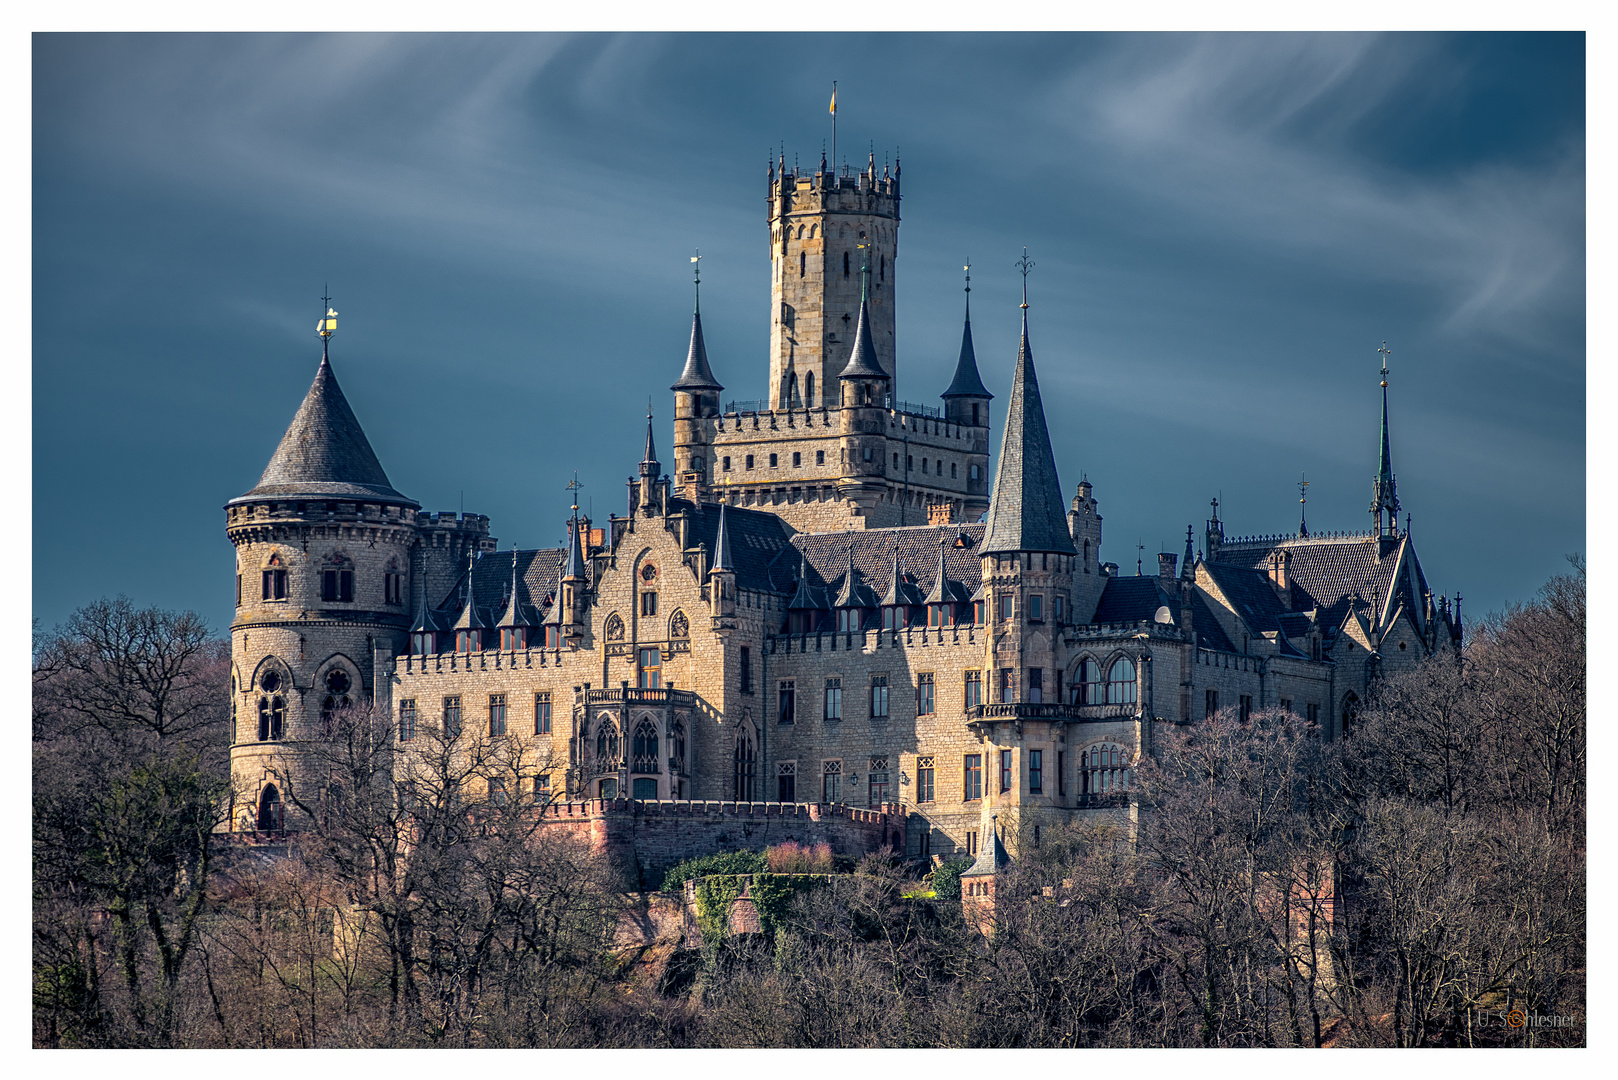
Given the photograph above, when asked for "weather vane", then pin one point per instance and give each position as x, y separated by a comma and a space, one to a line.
1303, 502
574, 485
327, 324
1386, 352
1025, 264
696, 274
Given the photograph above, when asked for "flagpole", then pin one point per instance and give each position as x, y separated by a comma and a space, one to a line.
834, 127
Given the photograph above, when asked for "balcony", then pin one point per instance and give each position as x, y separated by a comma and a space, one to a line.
1048, 710
637, 695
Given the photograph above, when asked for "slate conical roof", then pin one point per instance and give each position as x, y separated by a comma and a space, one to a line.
325, 453
862, 361
967, 382
1384, 491
697, 375
1025, 509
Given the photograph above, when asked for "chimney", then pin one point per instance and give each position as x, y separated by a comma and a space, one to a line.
941, 513
1279, 566
1166, 563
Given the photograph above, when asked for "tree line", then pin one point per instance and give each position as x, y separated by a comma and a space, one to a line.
1420, 882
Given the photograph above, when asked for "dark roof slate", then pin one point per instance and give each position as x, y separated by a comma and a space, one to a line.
537, 576
755, 539
325, 453
1025, 509
967, 381
1136, 599
828, 555
1326, 572
697, 375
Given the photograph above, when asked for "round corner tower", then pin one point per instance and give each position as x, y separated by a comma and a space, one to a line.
323, 591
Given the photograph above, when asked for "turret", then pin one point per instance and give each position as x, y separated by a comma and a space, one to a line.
574, 600
722, 579
696, 399
966, 402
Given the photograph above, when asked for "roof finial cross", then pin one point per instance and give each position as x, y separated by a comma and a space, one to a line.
327, 323
1386, 352
1025, 264
696, 273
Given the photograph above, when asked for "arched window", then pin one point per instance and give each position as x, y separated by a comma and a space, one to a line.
1087, 687
272, 717
812, 230
607, 745
744, 761
1121, 683
792, 391
677, 747
644, 749
1103, 770
809, 390
270, 818
803, 263
337, 686
1351, 712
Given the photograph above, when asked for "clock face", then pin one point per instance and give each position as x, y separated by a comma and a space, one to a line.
648, 573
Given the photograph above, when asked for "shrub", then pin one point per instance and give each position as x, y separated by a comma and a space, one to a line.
947, 878
727, 862
794, 858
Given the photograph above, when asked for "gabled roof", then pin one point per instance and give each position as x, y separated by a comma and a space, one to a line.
537, 577
902, 592
697, 375
810, 594
1136, 599
1250, 594
873, 554
519, 608
1325, 572
945, 591
1025, 510
754, 539
325, 453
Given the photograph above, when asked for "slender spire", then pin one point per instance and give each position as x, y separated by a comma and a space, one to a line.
1025, 511
649, 465
1384, 492
1188, 571
1303, 504
862, 361
722, 561
697, 375
967, 381
575, 543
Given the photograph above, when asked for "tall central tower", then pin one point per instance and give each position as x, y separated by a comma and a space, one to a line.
818, 222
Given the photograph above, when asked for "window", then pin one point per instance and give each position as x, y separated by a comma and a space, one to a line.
867, 454
1244, 705
972, 778
1036, 684
879, 697
607, 747
497, 714
1059, 607
513, 638
980, 611
1008, 685
924, 844
608, 788
452, 716
971, 841
910, 463
774, 458
797, 460
845, 264
275, 584
726, 463
1036, 772
337, 687
497, 791
238, 590
650, 665
1087, 689
1006, 606
644, 788
786, 782
1121, 683
746, 665
788, 699
1036, 608
749, 462
553, 636
974, 470
677, 748
1286, 704
1061, 772
407, 719
542, 787
831, 782
644, 749
952, 475
1103, 770
974, 688
820, 455
1210, 701
895, 461
1005, 770
393, 587
272, 716
924, 693
877, 783
834, 699
542, 713
803, 262
337, 586
648, 603
924, 779
1312, 713
744, 759
270, 810
468, 641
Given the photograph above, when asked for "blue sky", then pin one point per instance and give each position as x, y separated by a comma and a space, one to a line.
1225, 229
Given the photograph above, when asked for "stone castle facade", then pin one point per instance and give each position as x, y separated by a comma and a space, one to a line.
823, 602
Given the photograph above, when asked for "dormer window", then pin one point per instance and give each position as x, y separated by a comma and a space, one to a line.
468, 641
423, 643
513, 638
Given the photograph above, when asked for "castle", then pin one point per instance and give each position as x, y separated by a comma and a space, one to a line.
824, 602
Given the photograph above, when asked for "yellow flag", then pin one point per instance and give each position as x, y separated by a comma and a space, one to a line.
834, 102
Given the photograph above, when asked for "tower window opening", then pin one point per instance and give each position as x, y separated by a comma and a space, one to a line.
272, 716
845, 264
726, 462
809, 390
803, 263
270, 810
1121, 683
820, 457
952, 475
393, 587
973, 473
774, 460
749, 461
797, 459
275, 583
884, 274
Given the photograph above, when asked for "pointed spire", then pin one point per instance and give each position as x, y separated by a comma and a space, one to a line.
943, 591
697, 375
854, 592
649, 465
471, 618
1384, 492
803, 599
895, 594
862, 361
574, 569
422, 623
722, 561
1188, 571
325, 452
1025, 510
967, 381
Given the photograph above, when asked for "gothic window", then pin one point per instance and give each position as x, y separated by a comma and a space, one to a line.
452, 716
608, 788
648, 603
606, 745
1103, 770
924, 779
845, 264
879, 697
786, 782
744, 761
392, 584
270, 818
925, 699
1088, 688
831, 782
809, 390
337, 581
542, 713
972, 777
787, 713
272, 716
877, 782
813, 229
407, 719
792, 401
1121, 683
974, 688
679, 626
337, 686
275, 579
644, 788
497, 714
803, 263
644, 749
833, 705
1351, 712
615, 627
